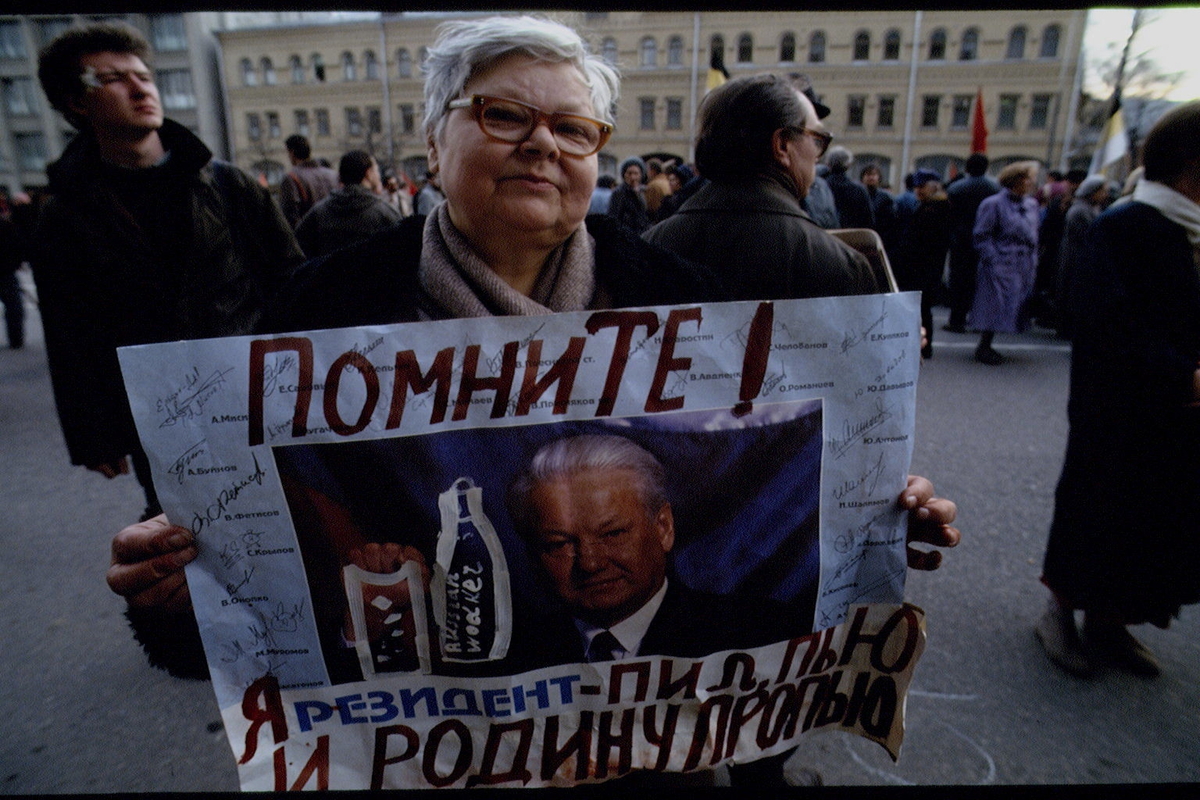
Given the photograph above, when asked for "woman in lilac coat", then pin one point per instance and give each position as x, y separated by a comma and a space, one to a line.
1006, 233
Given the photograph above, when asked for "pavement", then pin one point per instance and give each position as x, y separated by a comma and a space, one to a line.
84, 713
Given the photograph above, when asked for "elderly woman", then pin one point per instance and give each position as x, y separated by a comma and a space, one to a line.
1006, 237
517, 110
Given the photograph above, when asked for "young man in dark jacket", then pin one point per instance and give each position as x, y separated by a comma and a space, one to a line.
145, 239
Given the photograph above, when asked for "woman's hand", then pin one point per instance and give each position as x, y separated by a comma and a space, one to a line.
147, 565
928, 522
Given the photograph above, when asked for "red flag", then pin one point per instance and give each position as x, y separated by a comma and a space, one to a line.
979, 127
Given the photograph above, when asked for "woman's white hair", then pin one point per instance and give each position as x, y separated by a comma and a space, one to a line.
466, 47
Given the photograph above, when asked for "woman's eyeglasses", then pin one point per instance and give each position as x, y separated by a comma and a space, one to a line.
513, 122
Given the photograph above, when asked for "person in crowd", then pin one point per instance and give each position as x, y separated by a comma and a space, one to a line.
398, 192
516, 111
1044, 307
430, 196
1006, 237
12, 256
146, 239
306, 183
851, 198
354, 211
883, 206
1090, 199
922, 253
657, 187
602, 194
1134, 413
965, 196
758, 143
684, 183
628, 202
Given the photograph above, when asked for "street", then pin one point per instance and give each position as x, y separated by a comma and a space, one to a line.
84, 713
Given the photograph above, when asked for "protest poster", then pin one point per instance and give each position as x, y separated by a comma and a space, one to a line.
397, 587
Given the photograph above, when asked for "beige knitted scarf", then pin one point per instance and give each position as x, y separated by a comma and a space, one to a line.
460, 284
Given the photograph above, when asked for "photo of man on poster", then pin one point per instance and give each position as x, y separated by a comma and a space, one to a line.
604, 548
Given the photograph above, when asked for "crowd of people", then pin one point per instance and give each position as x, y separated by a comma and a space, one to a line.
148, 238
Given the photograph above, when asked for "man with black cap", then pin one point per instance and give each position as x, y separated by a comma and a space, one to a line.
819, 202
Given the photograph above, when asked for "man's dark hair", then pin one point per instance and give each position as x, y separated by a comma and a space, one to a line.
1076, 176
977, 164
298, 146
354, 167
606, 182
654, 166
910, 180
869, 168
1170, 148
737, 121
58, 63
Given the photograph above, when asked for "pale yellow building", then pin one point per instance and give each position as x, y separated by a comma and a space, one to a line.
900, 105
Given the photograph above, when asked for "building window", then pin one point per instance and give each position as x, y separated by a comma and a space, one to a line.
48, 29
674, 113
354, 122
716, 47
302, 122
646, 117
374, 120
970, 45
12, 44
296, 66
31, 150
253, 127
608, 50
403, 63
862, 46
175, 88
1006, 119
856, 110
1016, 43
167, 32
249, 76
787, 47
1039, 113
891, 45
816, 47
745, 50
887, 112
273, 129
1050, 38
937, 45
675, 52
649, 51
371, 65
318, 68
408, 119
960, 111
268, 71
322, 115
349, 71
19, 98
930, 106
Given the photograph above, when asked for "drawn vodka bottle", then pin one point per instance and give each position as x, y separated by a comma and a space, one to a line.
470, 588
